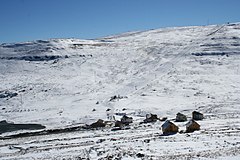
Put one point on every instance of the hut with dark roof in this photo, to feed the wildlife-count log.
(192, 126)
(169, 128)
(197, 115)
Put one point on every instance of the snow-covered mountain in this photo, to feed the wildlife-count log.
(68, 82)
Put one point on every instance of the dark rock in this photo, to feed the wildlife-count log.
(55, 61)
(9, 127)
(113, 98)
(146, 140)
(113, 139)
(94, 110)
(140, 155)
(7, 94)
(209, 54)
(181, 132)
(13, 95)
(163, 119)
(117, 97)
(108, 109)
(120, 114)
(100, 140)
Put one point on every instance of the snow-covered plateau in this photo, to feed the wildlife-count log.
(66, 84)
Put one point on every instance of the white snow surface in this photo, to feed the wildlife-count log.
(165, 71)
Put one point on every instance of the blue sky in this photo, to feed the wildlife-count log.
(25, 20)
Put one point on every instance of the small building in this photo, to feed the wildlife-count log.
(126, 120)
(150, 118)
(119, 124)
(192, 126)
(197, 115)
(169, 128)
(98, 124)
(181, 117)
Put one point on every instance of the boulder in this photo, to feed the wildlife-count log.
(181, 117)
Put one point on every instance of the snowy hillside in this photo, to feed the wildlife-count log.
(62, 83)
